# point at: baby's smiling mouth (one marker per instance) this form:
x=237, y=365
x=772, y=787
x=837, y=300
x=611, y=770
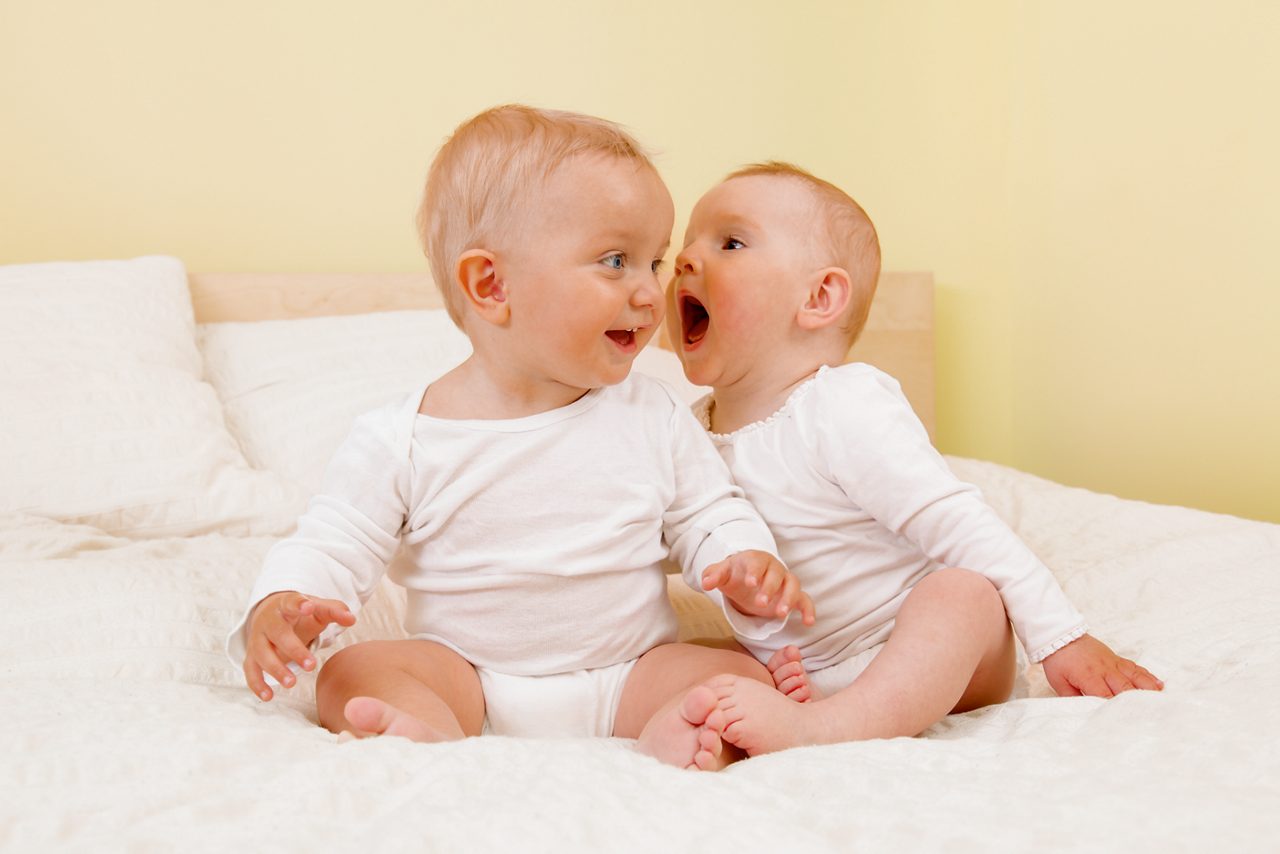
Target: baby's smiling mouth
x=694, y=320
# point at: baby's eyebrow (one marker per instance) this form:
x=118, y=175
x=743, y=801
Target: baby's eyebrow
x=733, y=220
x=621, y=235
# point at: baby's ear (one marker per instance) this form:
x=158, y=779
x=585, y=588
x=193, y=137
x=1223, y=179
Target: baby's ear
x=478, y=278
x=826, y=299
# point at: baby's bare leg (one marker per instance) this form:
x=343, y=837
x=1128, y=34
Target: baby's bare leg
x=413, y=688
x=672, y=714
x=951, y=650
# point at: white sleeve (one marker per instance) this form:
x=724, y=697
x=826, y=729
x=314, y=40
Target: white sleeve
x=710, y=518
x=350, y=531
x=878, y=452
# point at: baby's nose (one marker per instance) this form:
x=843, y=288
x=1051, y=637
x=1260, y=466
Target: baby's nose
x=648, y=293
x=686, y=262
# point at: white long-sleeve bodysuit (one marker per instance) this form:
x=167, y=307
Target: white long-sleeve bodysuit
x=863, y=507
x=530, y=546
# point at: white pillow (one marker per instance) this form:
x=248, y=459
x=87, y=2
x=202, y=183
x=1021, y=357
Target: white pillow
x=105, y=419
x=291, y=388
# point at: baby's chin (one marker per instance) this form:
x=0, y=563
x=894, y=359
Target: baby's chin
x=697, y=374
x=616, y=376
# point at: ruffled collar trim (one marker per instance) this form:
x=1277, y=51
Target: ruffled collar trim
x=702, y=410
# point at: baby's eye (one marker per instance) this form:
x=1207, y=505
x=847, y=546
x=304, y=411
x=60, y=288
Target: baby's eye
x=656, y=265
x=616, y=261
x=732, y=243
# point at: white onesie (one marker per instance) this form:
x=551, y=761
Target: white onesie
x=531, y=546
x=863, y=507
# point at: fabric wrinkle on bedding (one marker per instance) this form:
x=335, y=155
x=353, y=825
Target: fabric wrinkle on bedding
x=115, y=426
x=122, y=639
x=123, y=720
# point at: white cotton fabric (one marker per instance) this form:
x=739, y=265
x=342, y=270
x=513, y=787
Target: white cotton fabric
x=532, y=545
x=104, y=419
x=291, y=389
x=863, y=507
x=831, y=680
x=576, y=704
x=123, y=720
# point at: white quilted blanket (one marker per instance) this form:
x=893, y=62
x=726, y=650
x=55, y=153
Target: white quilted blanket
x=124, y=728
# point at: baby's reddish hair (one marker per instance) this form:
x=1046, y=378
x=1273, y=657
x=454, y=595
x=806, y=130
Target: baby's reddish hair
x=487, y=173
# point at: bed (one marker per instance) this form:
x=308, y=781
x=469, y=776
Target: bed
x=159, y=431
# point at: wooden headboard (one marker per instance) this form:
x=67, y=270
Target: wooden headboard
x=898, y=337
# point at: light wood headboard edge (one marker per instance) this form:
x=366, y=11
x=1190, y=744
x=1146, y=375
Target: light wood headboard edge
x=898, y=337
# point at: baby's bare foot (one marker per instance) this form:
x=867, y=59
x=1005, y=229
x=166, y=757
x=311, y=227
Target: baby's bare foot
x=758, y=719
x=686, y=734
x=789, y=675
x=370, y=716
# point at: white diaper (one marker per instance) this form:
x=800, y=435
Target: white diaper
x=577, y=704
x=837, y=677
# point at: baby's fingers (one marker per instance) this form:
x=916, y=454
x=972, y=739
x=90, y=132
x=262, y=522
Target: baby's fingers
x=290, y=606
x=807, y=614
x=1093, y=685
x=253, y=678
x=291, y=648
x=715, y=576
x=787, y=597
x=1128, y=676
x=1117, y=682
x=750, y=570
x=774, y=581
x=265, y=657
x=325, y=611
x=1141, y=677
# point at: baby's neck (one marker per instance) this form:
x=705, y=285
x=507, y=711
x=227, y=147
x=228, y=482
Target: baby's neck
x=745, y=402
x=472, y=392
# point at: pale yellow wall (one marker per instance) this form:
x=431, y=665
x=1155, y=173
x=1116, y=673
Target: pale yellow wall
x=1093, y=184
x=1146, y=287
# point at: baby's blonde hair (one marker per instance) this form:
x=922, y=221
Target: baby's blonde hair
x=850, y=236
x=486, y=173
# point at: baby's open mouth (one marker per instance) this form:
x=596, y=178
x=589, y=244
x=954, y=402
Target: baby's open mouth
x=693, y=319
x=624, y=338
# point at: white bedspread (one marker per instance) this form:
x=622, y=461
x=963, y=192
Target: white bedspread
x=124, y=728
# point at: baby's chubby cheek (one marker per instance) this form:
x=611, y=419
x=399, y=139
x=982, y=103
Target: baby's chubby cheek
x=662, y=309
x=670, y=316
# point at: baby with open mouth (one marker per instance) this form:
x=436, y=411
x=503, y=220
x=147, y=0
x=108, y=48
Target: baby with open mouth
x=915, y=578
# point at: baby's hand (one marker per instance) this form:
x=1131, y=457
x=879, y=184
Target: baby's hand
x=1088, y=667
x=280, y=629
x=758, y=584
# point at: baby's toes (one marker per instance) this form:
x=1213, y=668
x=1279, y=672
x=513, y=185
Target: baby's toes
x=722, y=686
x=707, y=757
x=790, y=670
x=786, y=655
x=803, y=694
x=716, y=721
x=709, y=741
x=734, y=732
x=699, y=704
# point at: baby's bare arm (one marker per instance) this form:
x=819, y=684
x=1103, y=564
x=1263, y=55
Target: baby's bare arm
x=281, y=629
